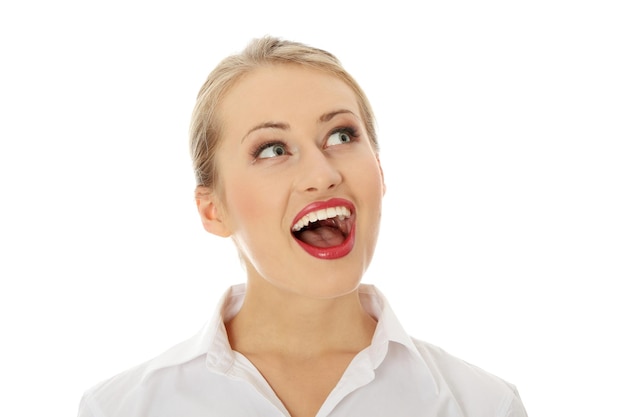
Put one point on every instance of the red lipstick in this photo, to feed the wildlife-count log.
(345, 212)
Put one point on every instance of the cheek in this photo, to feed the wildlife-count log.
(369, 174)
(242, 201)
(238, 192)
(250, 202)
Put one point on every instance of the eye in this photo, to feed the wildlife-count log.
(270, 150)
(340, 136)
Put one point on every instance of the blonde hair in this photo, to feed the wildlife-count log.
(205, 127)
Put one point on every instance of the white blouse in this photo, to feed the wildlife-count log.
(395, 376)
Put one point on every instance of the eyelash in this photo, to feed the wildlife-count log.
(257, 150)
(351, 131)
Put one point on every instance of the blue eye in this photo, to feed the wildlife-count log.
(339, 137)
(270, 150)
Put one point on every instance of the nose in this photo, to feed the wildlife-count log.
(317, 172)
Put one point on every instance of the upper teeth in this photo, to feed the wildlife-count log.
(323, 214)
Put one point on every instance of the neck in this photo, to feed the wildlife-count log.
(276, 321)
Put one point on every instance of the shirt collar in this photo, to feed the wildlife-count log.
(212, 340)
(388, 328)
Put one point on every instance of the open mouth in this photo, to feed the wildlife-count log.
(326, 232)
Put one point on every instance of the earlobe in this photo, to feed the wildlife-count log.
(210, 212)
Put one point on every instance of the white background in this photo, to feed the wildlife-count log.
(503, 134)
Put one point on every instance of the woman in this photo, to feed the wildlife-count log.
(286, 161)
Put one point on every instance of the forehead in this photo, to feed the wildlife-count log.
(281, 92)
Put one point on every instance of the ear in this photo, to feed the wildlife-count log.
(211, 212)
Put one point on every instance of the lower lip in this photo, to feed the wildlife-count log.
(333, 252)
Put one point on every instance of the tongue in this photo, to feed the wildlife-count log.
(322, 237)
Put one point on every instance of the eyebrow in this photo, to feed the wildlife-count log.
(328, 116)
(285, 126)
(266, 125)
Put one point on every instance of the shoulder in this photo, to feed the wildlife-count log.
(471, 386)
(114, 395)
(124, 393)
(452, 368)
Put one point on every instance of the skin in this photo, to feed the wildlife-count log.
(301, 322)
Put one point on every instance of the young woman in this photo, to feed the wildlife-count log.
(286, 161)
